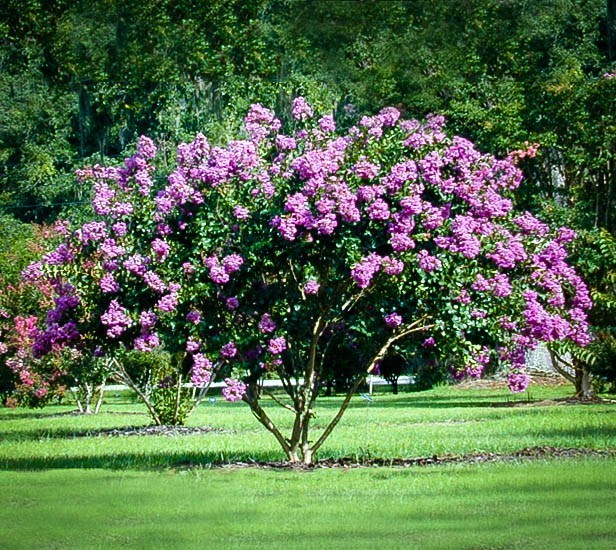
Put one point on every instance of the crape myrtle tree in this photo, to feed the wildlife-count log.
(27, 379)
(282, 250)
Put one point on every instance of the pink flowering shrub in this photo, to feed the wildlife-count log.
(256, 256)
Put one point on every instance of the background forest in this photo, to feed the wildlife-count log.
(81, 80)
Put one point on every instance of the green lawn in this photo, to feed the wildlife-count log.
(569, 504)
(442, 421)
(62, 488)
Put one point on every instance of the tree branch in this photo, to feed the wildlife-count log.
(413, 327)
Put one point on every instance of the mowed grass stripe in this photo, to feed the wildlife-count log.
(438, 422)
(546, 504)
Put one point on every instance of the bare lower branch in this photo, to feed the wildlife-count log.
(125, 377)
(556, 359)
(251, 397)
(417, 326)
(280, 402)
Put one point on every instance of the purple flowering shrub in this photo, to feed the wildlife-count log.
(252, 258)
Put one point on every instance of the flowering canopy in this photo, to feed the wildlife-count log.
(268, 253)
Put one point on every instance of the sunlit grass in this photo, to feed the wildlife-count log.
(547, 504)
(442, 421)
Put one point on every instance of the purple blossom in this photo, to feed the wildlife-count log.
(147, 320)
(161, 249)
(193, 317)
(234, 390)
(32, 272)
(389, 116)
(147, 342)
(92, 232)
(232, 263)
(392, 266)
(154, 282)
(229, 350)
(429, 342)
(277, 345)
(167, 303)
(260, 122)
(428, 262)
(285, 143)
(201, 372)
(122, 209)
(120, 229)
(463, 297)
(232, 303)
(364, 169)
(116, 319)
(103, 195)
(518, 381)
(241, 213)
(300, 109)
(363, 272)
(311, 287)
(108, 284)
(60, 256)
(193, 345)
(378, 210)
(111, 249)
(393, 320)
(266, 324)
(327, 124)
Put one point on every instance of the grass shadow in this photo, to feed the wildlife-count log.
(136, 461)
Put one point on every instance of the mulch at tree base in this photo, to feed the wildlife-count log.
(529, 453)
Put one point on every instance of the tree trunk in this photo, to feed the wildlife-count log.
(298, 447)
(583, 382)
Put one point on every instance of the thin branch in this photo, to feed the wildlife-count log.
(413, 327)
(125, 377)
(555, 360)
(280, 402)
(252, 399)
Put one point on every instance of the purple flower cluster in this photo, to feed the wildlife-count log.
(393, 320)
(109, 285)
(363, 272)
(277, 345)
(193, 316)
(300, 109)
(136, 264)
(60, 256)
(234, 390)
(92, 232)
(116, 319)
(427, 262)
(147, 341)
(229, 350)
(220, 271)
(168, 303)
(311, 287)
(266, 324)
(154, 282)
(201, 372)
(518, 381)
(260, 122)
(161, 249)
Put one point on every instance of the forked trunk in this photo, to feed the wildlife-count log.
(299, 448)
